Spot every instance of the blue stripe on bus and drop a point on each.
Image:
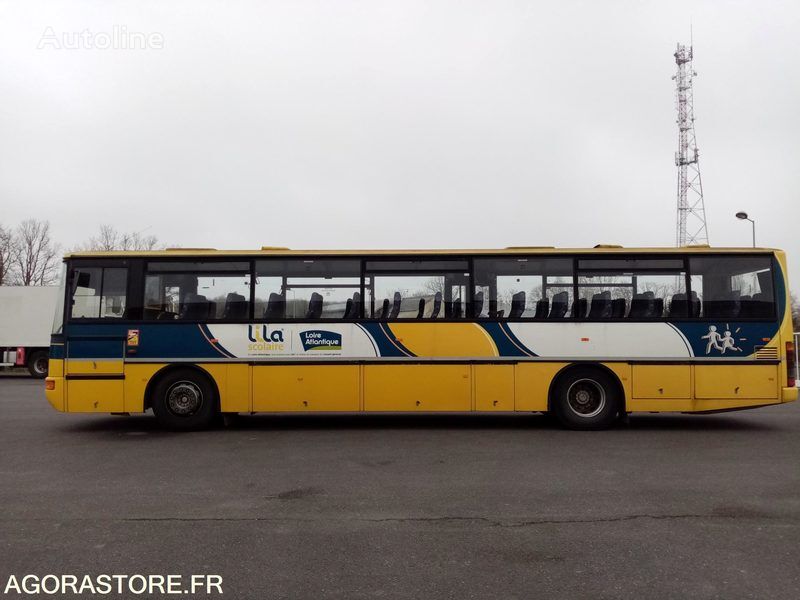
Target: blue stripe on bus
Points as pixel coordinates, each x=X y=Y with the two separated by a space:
x=506 y=342
x=388 y=345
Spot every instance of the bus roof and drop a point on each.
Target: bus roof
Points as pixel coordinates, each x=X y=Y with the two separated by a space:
x=512 y=250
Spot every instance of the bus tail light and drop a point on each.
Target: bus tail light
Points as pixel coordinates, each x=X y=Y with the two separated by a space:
x=20 y=362
x=791 y=366
x=49 y=383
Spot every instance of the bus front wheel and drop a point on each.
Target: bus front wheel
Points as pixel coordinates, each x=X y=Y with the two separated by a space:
x=184 y=400
x=585 y=398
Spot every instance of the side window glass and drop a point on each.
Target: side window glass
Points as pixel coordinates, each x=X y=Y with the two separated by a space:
x=523 y=288
x=632 y=288
x=407 y=297
x=197 y=291
x=86 y=288
x=98 y=292
x=733 y=287
x=604 y=296
x=308 y=289
x=417 y=289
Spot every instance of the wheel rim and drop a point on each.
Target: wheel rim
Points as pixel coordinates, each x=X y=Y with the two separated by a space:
x=184 y=399
x=586 y=398
x=40 y=365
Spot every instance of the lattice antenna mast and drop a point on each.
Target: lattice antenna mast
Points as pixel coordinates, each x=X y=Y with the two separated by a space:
x=692 y=227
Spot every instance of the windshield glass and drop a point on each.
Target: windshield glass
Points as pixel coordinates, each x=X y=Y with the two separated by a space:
x=58 y=319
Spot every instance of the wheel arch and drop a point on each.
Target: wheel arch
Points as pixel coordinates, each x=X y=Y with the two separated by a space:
x=167 y=369
x=567 y=369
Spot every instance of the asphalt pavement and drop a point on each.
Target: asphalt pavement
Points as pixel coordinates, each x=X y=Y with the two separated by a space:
x=407 y=506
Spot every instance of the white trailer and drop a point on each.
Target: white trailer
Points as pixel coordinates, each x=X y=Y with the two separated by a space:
x=26 y=320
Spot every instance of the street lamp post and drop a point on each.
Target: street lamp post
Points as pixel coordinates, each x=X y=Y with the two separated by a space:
x=743 y=216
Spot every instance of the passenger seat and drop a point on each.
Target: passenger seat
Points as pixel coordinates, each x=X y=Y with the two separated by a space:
x=542 y=306
x=195 y=308
x=601 y=306
x=578 y=308
x=477 y=305
x=314 y=306
x=276 y=307
x=396 y=305
x=618 y=308
x=235 y=307
x=437 y=305
x=384 y=314
x=517 y=305
x=558 y=309
x=421 y=309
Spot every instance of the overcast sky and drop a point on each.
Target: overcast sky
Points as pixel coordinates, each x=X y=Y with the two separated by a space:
x=397 y=124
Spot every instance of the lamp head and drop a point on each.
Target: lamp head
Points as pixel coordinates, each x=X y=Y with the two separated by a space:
x=741 y=215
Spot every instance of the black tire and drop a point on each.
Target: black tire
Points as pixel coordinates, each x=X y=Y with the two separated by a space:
x=184 y=400
x=37 y=364
x=586 y=398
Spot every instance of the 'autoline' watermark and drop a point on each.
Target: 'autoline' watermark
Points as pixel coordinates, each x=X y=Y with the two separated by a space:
x=119 y=38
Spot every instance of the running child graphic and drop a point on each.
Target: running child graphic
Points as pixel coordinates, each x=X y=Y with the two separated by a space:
x=728 y=343
x=714 y=339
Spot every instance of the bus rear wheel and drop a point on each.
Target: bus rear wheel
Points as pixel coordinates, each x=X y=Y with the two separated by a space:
x=37 y=364
x=586 y=398
x=184 y=400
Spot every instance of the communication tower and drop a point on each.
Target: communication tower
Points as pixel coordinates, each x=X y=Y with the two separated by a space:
x=692 y=227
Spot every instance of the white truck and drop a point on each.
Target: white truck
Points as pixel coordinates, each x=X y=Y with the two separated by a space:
x=26 y=320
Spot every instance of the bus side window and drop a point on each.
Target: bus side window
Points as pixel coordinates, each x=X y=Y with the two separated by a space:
x=632 y=288
x=197 y=291
x=99 y=292
x=731 y=287
x=520 y=287
x=308 y=289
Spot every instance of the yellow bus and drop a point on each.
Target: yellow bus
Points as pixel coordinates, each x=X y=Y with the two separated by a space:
x=585 y=334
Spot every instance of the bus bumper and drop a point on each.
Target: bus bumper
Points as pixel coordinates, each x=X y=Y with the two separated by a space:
x=789 y=394
x=54 y=390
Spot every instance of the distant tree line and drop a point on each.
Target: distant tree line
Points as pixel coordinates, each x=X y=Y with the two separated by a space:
x=29 y=256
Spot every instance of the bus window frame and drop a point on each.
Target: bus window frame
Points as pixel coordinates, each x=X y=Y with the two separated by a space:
x=101 y=263
x=577 y=272
x=774 y=268
x=399 y=258
x=250 y=271
x=137 y=273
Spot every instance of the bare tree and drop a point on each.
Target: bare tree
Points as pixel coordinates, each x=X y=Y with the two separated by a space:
x=35 y=262
x=8 y=253
x=108 y=238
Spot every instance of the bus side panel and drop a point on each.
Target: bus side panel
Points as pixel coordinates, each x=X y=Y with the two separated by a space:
x=740 y=382
x=661 y=387
x=417 y=388
x=233 y=384
x=662 y=381
x=622 y=371
x=494 y=387
x=95 y=395
x=532 y=384
x=237 y=396
x=292 y=388
x=137 y=376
